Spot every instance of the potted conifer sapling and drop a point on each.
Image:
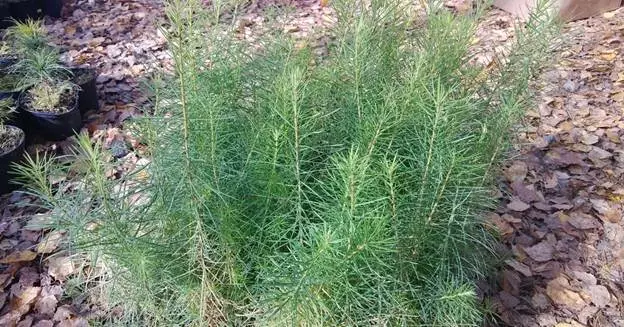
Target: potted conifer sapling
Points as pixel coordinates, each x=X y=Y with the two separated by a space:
x=51 y=109
x=26 y=36
x=12 y=140
x=9 y=86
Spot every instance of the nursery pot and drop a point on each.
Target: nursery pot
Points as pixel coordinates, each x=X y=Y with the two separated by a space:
x=52 y=8
x=6 y=94
x=52 y=126
x=10 y=90
x=7 y=159
x=87 y=96
x=15 y=119
x=21 y=10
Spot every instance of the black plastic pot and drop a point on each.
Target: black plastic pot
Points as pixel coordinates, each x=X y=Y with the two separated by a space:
x=6 y=94
x=87 y=96
x=25 y=9
x=52 y=8
x=6 y=160
x=52 y=126
x=15 y=119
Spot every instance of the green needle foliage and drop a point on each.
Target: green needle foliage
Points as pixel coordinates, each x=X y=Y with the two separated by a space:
x=290 y=190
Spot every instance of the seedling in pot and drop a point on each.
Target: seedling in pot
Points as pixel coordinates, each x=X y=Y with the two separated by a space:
x=8 y=136
x=9 y=83
x=51 y=96
x=51 y=109
x=26 y=36
x=11 y=142
x=40 y=65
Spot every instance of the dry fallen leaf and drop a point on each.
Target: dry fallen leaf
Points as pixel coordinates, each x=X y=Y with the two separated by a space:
x=590 y=139
x=46 y=305
x=44 y=323
x=517 y=205
x=598 y=295
x=50 y=243
x=608 y=56
x=519 y=267
x=60 y=267
x=618 y=96
x=22 y=302
x=607 y=212
x=499 y=224
x=540 y=252
x=516 y=172
x=38 y=222
x=582 y=220
x=19 y=256
x=558 y=290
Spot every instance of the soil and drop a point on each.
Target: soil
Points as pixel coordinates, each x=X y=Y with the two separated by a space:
x=10 y=137
x=66 y=103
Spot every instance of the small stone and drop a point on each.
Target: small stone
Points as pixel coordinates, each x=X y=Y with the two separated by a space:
x=119 y=148
x=570 y=86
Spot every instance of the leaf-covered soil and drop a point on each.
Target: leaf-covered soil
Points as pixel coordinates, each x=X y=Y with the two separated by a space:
x=561 y=194
x=561 y=197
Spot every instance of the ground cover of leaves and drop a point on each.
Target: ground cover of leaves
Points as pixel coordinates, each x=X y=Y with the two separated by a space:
x=560 y=196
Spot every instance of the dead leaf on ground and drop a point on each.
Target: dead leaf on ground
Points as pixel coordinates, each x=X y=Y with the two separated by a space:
x=598 y=295
x=517 y=205
x=558 y=290
x=19 y=256
x=499 y=224
x=540 y=252
x=606 y=210
x=50 y=243
x=46 y=305
x=22 y=302
x=60 y=267
x=519 y=267
x=517 y=171
x=582 y=220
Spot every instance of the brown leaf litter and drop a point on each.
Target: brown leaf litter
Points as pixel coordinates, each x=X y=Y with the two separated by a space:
x=566 y=190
